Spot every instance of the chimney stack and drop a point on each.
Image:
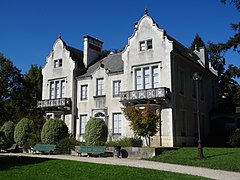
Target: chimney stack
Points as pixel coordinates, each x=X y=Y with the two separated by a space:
x=92 y=50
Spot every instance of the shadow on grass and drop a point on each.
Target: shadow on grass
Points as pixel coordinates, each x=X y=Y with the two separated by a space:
x=7 y=162
x=220 y=154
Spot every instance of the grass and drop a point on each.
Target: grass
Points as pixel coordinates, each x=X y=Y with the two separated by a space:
x=215 y=158
x=39 y=168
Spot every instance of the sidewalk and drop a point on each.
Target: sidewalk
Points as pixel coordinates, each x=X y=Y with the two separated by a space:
x=197 y=171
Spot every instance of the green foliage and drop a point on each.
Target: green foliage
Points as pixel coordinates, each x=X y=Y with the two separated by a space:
x=143 y=123
x=126 y=142
x=96 y=132
x=64 y=146
x=7 y=133
x=234 y=139
x=53 y=131
x=11 y=81
x=197 y=43
x=23 y=131
x=32 y=91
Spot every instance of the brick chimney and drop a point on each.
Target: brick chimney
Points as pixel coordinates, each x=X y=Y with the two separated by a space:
x=92 y=50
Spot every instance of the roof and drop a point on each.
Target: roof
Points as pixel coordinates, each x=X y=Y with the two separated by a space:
x=181 y=49
x=113 y=63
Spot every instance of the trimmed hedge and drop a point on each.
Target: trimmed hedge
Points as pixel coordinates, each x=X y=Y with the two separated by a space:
x=53 y=131
x=96 y=132
x=23 y=131
x=7 y=133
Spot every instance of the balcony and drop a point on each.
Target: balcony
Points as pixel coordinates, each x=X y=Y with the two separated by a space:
x=55 y=103
x=155 y=95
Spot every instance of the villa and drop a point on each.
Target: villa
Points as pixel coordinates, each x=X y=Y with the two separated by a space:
x=152 y=68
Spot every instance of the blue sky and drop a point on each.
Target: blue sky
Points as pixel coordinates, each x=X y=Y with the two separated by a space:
x=29 y=28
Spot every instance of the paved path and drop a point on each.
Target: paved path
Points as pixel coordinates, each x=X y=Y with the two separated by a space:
x=197 y=171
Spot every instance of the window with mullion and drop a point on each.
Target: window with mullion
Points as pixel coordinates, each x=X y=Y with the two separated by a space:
x=52 y=94
x=63 y=87
x=155 y=77
x=84 y=92
x=146 y=80
x=57 y=84
x=83 y=122
x=100 y=87
x=138 y=79
x=117 y=123
x=116 y=88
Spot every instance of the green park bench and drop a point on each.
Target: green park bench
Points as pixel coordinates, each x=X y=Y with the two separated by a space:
x=90 y=150
x=44 y=148
x=13 y=148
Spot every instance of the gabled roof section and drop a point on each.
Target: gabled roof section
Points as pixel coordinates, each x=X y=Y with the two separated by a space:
x=113 y=63
x=181 y=49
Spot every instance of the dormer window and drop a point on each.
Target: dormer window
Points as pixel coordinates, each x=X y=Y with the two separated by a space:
x=57 y=63
x=145 y=45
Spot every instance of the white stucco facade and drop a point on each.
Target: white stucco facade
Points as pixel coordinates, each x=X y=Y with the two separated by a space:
x=153 y=68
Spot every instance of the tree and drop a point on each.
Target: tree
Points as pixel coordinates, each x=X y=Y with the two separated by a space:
x=143 y=123
x=96 y=132
x=228 y=87
x=23 y=132
x=234 y=41
x=53 y=131
x=32 y=92
x=197 y=43
x=7 y=133
x=11 y=81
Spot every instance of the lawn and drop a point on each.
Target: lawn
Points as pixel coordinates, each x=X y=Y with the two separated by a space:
x=39 y=168
x=215 y=158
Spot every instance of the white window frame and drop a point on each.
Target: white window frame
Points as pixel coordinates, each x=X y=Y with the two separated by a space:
x=84 y=92
x=117 y=123
x=116 y=88
x=100 y=87
x=83 y=123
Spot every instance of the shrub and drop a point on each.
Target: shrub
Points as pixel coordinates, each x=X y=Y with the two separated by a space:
x=7 y=133
x=234 y=140
x=23 y=131
x=64 y=146
x=126 y=142
x=53 y=131
x=96 y=132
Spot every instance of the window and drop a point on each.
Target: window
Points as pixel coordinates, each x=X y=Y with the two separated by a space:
x=116 y=88
x=117 y=123
x=57 y=89
x=142 y=45
x=84 y=92
x=100 y=87
x=181 y=82
x=149 y=44
x=145 y=45
x=83 y=122
x=63 y=86
x=146 y=80
x=138 y=79
x=155 y=78
x=183 y=123
x=147 y=77
x=52 y=94
x=57 y=63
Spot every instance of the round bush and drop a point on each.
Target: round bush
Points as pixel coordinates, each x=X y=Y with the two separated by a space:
x=53 y=131
x=96 y=132
x=7 y=133
x=64 y=146
x=23 y=131
x=234 y=139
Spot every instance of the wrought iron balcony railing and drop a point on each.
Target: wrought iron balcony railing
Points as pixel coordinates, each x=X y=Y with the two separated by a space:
x=62 y=102
x=144 y=94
